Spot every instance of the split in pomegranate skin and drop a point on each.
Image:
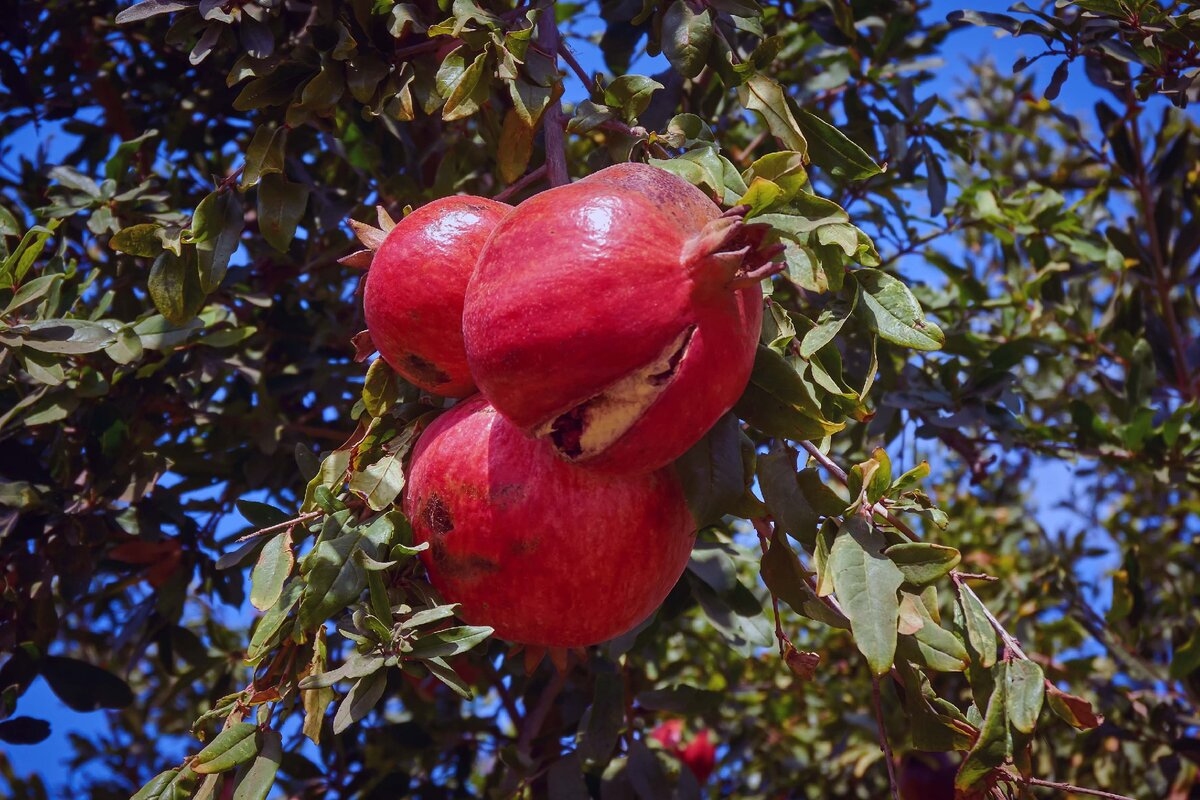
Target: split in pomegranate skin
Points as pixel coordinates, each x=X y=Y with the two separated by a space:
x=618 y=316
x=413 y=298
x=543 y=551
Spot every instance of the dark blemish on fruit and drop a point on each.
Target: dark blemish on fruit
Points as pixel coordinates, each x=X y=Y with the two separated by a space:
x=425 y=371
x=460 y=568
x=436 y=516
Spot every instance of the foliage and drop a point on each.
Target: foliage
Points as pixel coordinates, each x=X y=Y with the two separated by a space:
x=187 y=422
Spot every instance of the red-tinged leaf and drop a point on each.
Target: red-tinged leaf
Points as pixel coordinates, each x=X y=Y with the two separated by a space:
x=1075 y=711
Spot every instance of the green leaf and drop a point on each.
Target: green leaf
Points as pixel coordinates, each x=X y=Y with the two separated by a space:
x=893 y=312
x=158 y=785
x=980 y=635
x=271 y=623
x=83 y=686
x=216 y=231
x=830 y=148
x=824 y=501
x=930 y=645
x=174 y=286
x=138 y=240
x=450 y=642
x=257 y=782
x=631 y=94
x=779 y=402
x=604 y=718
x=866 y=583
x=1024 y=694
x=33 y=290
x=145 y=10
x=1186 y=659
x=335 y=577
x=462 y=84
x=681 y=699
x=446 y=674
x=281 y=204
x=832 y=318
x=235 y=745
x=923 y=562
x=271 y=571
x=361 y=698
x=380 y=483
x=686 y=37
x=992 y=746
x=711 y=472
x=766 y=97
x=788 y=580
x=781 y=491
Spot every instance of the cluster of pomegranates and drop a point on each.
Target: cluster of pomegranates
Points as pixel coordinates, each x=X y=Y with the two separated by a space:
x=596 y=331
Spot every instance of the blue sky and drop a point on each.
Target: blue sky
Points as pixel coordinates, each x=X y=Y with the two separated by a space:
x=1054 y=480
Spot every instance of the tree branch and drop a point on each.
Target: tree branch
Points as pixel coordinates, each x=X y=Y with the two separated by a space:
x=553 y=118
x=524 y=181
x=883 y=737
x=1067 y=787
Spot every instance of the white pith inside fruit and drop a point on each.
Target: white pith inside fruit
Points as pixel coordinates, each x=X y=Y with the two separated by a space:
x=591 y=427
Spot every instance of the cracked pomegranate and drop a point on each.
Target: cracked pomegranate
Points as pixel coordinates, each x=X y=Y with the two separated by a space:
x=544 y=552
x=618 y=316
x=413 y=298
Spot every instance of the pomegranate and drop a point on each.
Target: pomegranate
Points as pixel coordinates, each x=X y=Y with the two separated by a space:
x=413 y=298
x=700 y=754
x=618 y=316
x=544 y=552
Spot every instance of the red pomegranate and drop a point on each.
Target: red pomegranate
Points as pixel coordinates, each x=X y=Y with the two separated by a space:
x=617 y=316
x=544 y=552
x=414 y=291
x=700 y=754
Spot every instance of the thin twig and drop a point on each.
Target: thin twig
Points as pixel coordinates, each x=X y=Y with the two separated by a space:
x=305 y=517
x=552 y=119
x=524 y=181
x=1067 y=787
x=883 y=737
x=568 y=56
x=1162 y=279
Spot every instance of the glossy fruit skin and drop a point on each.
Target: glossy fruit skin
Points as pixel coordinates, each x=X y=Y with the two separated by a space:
x=545 y=552
x=585 y=284
x=413 y=299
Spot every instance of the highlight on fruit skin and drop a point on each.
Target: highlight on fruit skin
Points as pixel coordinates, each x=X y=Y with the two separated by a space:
x=617 y=317
x=544 y=552
x=413 y=298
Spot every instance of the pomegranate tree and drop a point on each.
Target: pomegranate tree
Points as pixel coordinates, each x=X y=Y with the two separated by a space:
x=413 y=298
x=545 y=552
x=617 y=317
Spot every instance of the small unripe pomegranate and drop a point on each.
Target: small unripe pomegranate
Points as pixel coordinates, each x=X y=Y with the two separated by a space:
x=413 y=298
x=544 y=552
x=617 y=317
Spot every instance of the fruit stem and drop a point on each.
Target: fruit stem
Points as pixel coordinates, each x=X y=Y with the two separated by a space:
x=552 y=120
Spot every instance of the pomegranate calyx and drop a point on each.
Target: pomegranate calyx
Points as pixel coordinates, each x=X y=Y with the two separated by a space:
x=371 y=237
x=733 y=250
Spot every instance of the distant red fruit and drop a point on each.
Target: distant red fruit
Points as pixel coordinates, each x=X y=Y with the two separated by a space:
x=616 y=317
x=413 y=298
x=544 y=552
x=700 y=754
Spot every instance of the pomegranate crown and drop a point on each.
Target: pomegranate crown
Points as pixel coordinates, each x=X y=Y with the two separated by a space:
x=734 y=250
